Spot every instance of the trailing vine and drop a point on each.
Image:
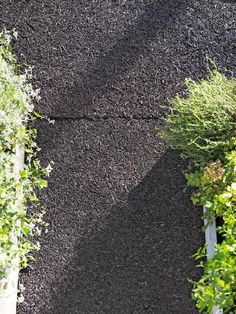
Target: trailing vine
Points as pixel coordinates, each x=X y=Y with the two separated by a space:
x=20 y=216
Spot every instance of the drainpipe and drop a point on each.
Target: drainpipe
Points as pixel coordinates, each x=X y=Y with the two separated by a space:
x=211 y=240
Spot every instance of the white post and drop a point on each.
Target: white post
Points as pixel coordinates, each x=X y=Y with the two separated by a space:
x=211 y=240
x=9 y=285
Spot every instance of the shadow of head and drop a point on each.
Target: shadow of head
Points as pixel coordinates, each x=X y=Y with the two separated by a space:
x=138 y=259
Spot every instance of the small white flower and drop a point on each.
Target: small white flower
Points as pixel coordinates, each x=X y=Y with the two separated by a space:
x=21 y=287
x=20 y=299
x=15 y=34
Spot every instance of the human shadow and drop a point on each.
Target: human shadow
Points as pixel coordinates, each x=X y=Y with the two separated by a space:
x=139 y=257
x=158 y=16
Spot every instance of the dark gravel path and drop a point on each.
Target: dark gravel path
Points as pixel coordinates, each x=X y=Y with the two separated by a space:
x=122 y=230
x=118 y=57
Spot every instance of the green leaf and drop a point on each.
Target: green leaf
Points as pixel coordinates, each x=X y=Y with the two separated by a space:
x=42 y=183
x=220 y=282
x=33 y=198
x=37 y=115
x=24 y=173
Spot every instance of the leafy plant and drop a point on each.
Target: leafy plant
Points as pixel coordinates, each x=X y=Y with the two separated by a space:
x=216 y=190
x=203 y=127
x=202 y=122
x=19 y=217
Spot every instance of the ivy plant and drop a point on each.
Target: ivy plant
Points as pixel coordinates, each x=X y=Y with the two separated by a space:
x=20 y=217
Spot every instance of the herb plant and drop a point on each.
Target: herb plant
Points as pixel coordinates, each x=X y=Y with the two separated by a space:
x=202 y=122
x=203 y=127
x=20 y=219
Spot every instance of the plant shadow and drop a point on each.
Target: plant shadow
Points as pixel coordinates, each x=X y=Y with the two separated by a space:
x=139 y=257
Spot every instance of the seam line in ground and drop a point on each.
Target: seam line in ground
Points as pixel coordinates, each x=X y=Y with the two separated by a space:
x=103 y=118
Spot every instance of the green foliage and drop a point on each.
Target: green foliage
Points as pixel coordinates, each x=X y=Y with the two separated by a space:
x=202 y=122
x=213 y=181
x=216 y=190
x=217 y=285
x=19 y=219
x=203 y=127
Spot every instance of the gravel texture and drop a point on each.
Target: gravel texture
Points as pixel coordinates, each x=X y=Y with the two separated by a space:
x=122 y=229
x=119 y=57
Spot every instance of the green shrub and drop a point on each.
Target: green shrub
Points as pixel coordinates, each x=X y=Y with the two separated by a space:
x=203 y=127
x=202 y=122
x=216 y=190
x=19 y=219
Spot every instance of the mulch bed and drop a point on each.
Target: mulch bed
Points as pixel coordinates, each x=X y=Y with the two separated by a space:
x=122 y=229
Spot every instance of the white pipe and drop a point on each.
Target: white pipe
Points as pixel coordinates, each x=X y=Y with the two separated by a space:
x=211 y=240
x=210 y=234
x=9 y=285
x=8 y=292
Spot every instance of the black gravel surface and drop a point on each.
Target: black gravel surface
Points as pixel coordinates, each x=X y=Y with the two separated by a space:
x=118 y=57
x=122 y=230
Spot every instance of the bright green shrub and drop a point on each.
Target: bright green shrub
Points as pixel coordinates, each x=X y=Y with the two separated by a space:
x=217 y=285
x=19 y=219
x=202 y=122
x=216 y=190
x=203 y=127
